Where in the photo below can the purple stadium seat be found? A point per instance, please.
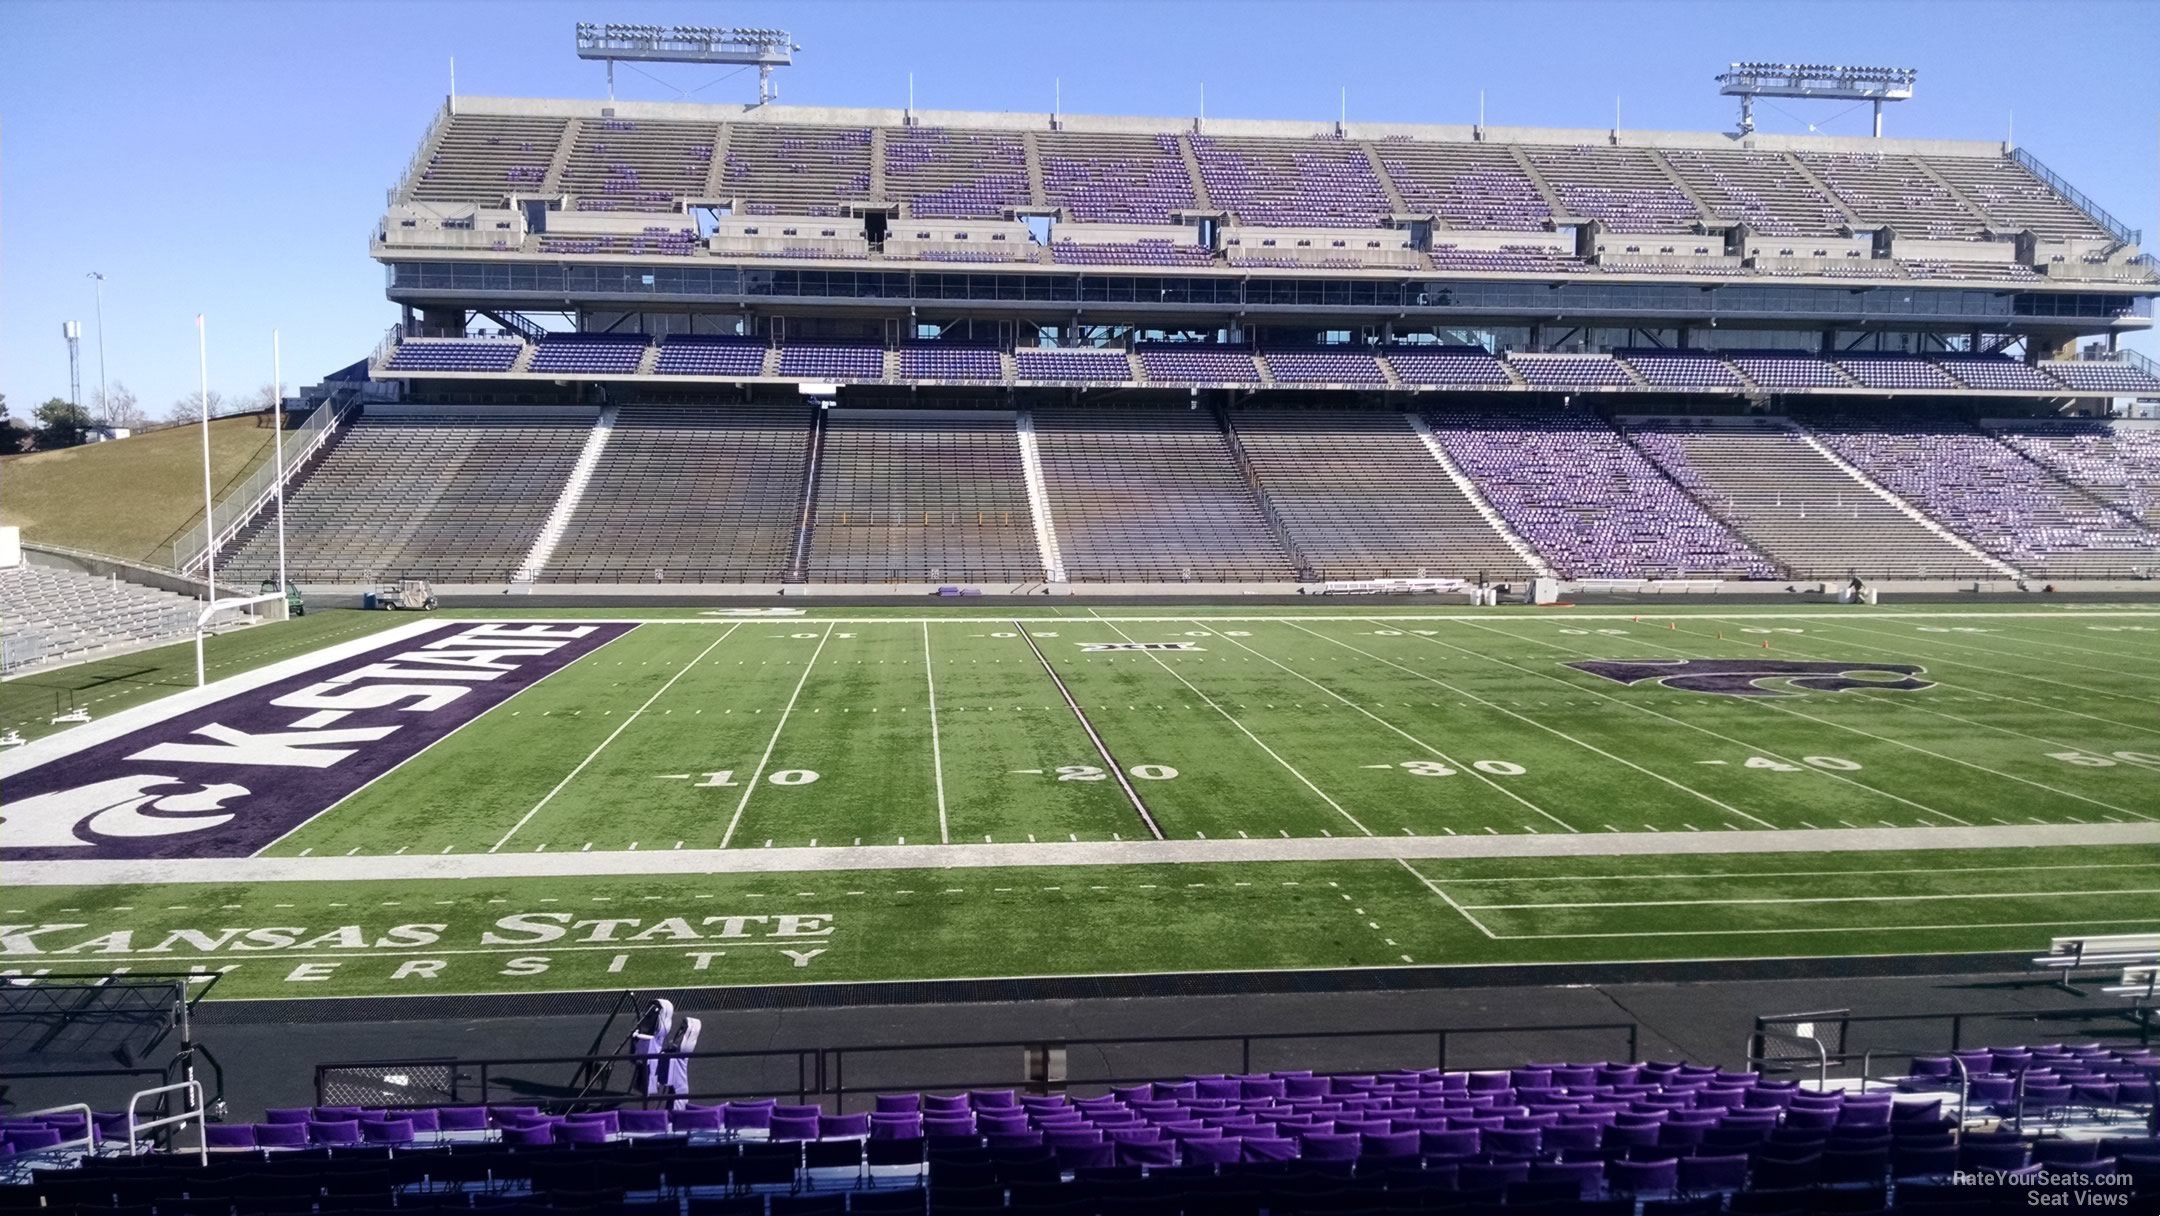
(230, 1135)
(897, 1125)
(843, 1127)
(1698, 1175)
(386, 1131)
(1588, 1176)
(891, 1104)
(746, 1116)
(1642, 1178)
(296, 1114)
(793, 1127)
(642, 1122)
(695, 1119)
(1211, 1152)
(1261, 1148)
(1490, 1175)
(281, 1135)
(529, 1137)
(1085, 1156)
(333, 1132)
(608, 1121)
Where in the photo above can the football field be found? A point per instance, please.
(576, 800)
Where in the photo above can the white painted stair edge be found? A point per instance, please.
(566, 503)
(1470, 491)
(1912, 512)
(1038, 498)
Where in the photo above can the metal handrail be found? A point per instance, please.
(821, 1071)
(1822, 1054)
(257, 490)
(190, 1111)
(2077, 198)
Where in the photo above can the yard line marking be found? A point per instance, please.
(1759, 932)
(1101, 748)
(1864, 873)
(1723, 806)
(1445, 898)
(1232, 719)
(2102, 654)
(750, 787)
(619, 729)
(1445, 758)
(1805, 899)
(937, 754)
(1664, 717)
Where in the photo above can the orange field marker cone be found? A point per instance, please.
(1671, 625)
(1766, 644)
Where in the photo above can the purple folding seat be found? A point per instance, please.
(993, 1099)
(1211, 1152)
(1174, 1091)
(998, 1123)
(1701, 1175)
(1547, 1119)
(1473, 1176)
(843, 1127)
(1327, 1146)
(1262, 1087)
(1133, 1093)
(386, 1131)
(1218, 1087)
(1028, 1138)
(746, 1116)
(1991, 1089)
(1618, 1074)
(288, 1114)
(1571, 1139)
(1074, 1157)
(1513, 1142)
(532, 1136)
(1621, 1137)
(1059, 1137)
(1132, 1135)
(1487, 1082)
(1680, 1136)
(1573, 1075)
(1933, 1066)
(792, 1127)
(461, 1117)
(1642, 1178)
(1388, 1145)
(1588, 1176)
(896, 1125)
(1809, 1117)
(585, 1131)
(945, 1104)
(1641, 1118)
(1260, 1148)
(281, 1135)
(609, 1121)
(1161, 1154)
(1106, 1102)
(642, 1122)
(230, 1135)
(1181, 1132)
(695, 1119)
(898, 1104)
(1764, 1098)
(1722, 1099)
(333, 1131)
(1864, 1114)
(798, 1111)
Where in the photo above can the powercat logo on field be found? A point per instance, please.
(1758, 677)
(230, 777)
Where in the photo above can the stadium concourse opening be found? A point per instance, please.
(1000, 661)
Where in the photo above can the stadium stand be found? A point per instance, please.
(1788, 369)
(1994, 371)
(1325, 366)
(444, 495)
(1982, 489)
(1894, 371)
(1623, 187)
(1053, 364)
(2095, 376)
(1152, 496)
(1570, 371)
(1886, 188)
(480, 158)
(1598, 1138)
(1796, 506)
(776, 169)
(1197, 363)
(52, 613)
(425, 355)
(1447, 365)
(833, 362)
(1361, 497)
(1763, 190)
(714, 355)
(617, 164)
(690, 493)
(956, 174)
(589, 354)
(1680, 369)
(922, 496)
(1467, 185)
(2117, 462)
(1292, 183)
(1102, 177)
(1591, 505)
(950, 361)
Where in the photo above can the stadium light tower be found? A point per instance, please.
(764, 49)
(1815, 82)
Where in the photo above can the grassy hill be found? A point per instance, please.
(130, 497)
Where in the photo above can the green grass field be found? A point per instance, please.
(129, 498)
(905, 727)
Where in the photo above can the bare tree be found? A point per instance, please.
(190, 407)
(118, 407)
(261, 399)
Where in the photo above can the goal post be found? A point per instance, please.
(245, 609)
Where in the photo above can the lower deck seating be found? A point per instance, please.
(2117, 462)
(1152, 496)
(1361, 496)
(921, 496)
(451, 496)
(690, 493)
(1979, 487)
(1561, 1139)
(49, 613)
(1798, 507)
(1591, 505)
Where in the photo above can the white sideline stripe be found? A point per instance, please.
(751, 786)
(1450, 760)
(1782, 901)
(1463, 692)
(1506, 613)
(1845, 929)
(790, 860)
(937, 753)
(1434, 887)
(624, 725)
(1232, 719)
(1562, 878)
(1664, 717)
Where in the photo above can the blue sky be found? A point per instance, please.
(229, 158)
